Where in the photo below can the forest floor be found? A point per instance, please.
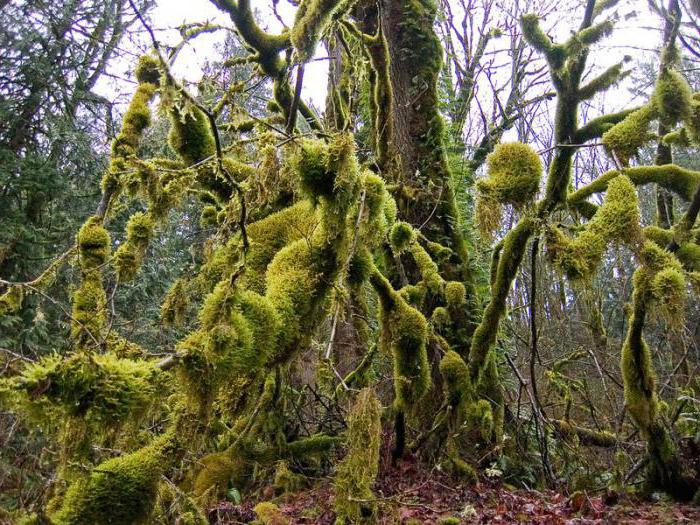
(407, 493)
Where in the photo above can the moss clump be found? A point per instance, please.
(174, 306)
(440, 317)
(428, 269)
(89, 310)
(455, 373)
(404, 332)
(121, 490)
(136, 119)
(269, 514)
(661, 283)
(626, 137)
(93, 244)
(358, 470)
(672, 97)
(102, 388)
(219, 471)
(129, 257)
(148, 70)
(209, 216)
(312, 17)
(401, 236)
(190, 135)
(617, 220)
(513, 177)
(455, 294)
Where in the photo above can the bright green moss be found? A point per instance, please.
(657, 235)
(312, 166)
(692, 122)
(405, 332)
(129, 257)
(88, 313)
(401, 236)
(264, 323)
(455, 294)
(617, 220)
(513, 177)
(451, 520)
(121, 490)
(148, 70)
(626, 137)
(136, 119)
(440, 317)
(190, 135)
(93, 244)
(661, 282)
(219, 471)
(428, 269)
(689, 255)
(672, 97)
(102, 388)
(357, 471)
(267, 237)
(360, 267)
(455, 373)
(174, 306)
(413, 294)
(312, 17)
(209, 216)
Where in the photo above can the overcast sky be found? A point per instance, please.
(633, 35)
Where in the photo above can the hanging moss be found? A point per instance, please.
(89, 310)
(672, 97)
(174, 306)
(661, 283)
(121, 490)
(405, 332)
(129, 257)
(513, 177)
(357, 471)
(190, 135)
(626, 137)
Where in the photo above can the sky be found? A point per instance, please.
(633, 35)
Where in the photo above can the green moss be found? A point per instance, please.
(218, 472)
(136, 119)
(269, 514)
(190, 135)
(692, 122)
(93, 244)
(455, 373)
(209, 216)
(174, 306)
(455, 294)
(513, 177)
(401, 236)
(121, 490)
(672, 97)
(405, 332)
(452, 520)
(102, 388)
(312, 18)
(440, 317)
(428, 269)
(88, 312)
(357, 471)
(11, 300)
(626, 137)
(617, 220)
(129, 257)
(148, 70)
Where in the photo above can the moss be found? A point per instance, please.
(692, 122)
(401, 236)
(11, 300)
(360, 267)
(218, 472)
(190, 135)
(93, 244)
(174, 306)
(513, 177)
(120, 490)
(405, 332)
(88, 312)
(657, 235)
(136, 119)
(455, 373)
(680, 181)
(209, 216)
(626, 137)
(285, 481)
(661, 282)
(451, 520)
(148, 70)
(455, 294)
(672, 97)
(440, 317)
(102, 388)
(312, 17)
(269, 514)
(358, 469)
(129, 257)
(617, 220)
(428, 269)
